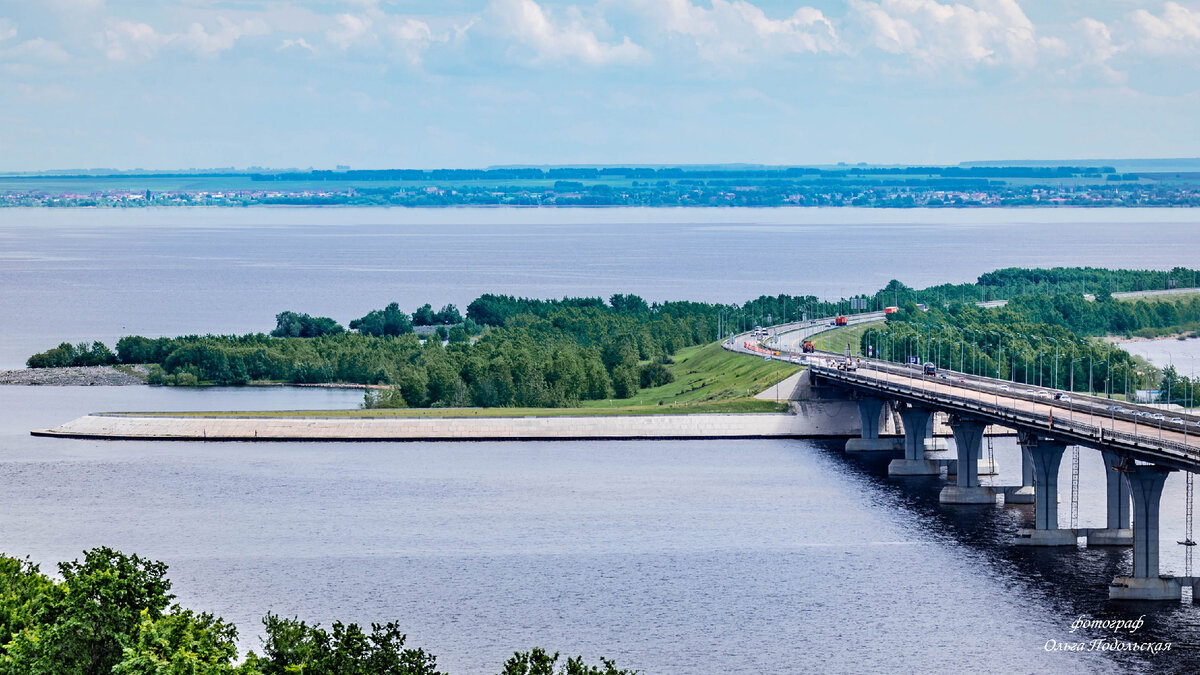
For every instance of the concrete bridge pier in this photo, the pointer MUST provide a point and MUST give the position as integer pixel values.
(869, 410)
(1025, 493)
(1117, 532)
(968, 441)
(1146, 485)
(1046, 456)
(916, 434)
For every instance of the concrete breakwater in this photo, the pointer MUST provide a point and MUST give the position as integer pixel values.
(811, 419)
(74, 376)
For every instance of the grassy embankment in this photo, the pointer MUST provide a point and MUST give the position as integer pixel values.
(835, 340)
(708, 379)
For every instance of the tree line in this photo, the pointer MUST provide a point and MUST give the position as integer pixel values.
(533, 353)
(516, 351)
(1037, 339)
(113, 614)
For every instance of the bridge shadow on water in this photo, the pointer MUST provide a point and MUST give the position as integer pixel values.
(1071, 581)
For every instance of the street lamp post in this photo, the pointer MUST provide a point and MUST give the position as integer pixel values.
(1054, 374)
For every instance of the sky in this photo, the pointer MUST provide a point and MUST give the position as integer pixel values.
(165, 84)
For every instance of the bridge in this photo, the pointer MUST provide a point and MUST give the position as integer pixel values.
(1139, 444)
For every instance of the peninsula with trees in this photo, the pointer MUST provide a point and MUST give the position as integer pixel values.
(510, 353)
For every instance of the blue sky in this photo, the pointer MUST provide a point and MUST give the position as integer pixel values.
(469, 83)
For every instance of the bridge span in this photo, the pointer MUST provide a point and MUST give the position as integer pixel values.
(1139, 451)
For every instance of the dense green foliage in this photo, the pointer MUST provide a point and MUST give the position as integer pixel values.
(112, 615)
(538, 662)
(1087, 279)
(389, 321)
(1001, 284)
(1033, 339)
(536, 353)
(425, 316)
(67, 354)
(291, 324)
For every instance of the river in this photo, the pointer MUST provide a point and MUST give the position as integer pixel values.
(672, 557)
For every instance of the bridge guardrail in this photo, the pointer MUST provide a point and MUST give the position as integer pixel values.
(1166, 448)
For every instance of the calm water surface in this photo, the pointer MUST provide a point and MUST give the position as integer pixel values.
(79, 274)
(672, 557)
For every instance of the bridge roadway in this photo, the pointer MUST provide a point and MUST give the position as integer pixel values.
(1138, 453)
(1083, 420)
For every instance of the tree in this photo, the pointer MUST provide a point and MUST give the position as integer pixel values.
(448, 314)
(538, 662)
(388, 321)
(182, 643)
(424, 316)
(292, 646)
(630, 304)
(86, 629)
(655, 375)
(292, 324)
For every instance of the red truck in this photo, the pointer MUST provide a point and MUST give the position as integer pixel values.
(808, 347)
(840, 321)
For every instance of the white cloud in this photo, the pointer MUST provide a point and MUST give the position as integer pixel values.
(735, 29)
(1176, 31)
(349, 30)
(372, 28)
(938, 35)
(1098, 48)
(202, 42)
(124, 40)
(37, 49)
(555, 39)
(8, 29)
(298, 43)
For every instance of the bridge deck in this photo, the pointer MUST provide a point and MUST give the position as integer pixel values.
(1084, 420)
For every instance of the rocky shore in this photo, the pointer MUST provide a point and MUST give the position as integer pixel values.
(76, 376)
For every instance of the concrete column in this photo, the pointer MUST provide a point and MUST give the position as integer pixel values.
(916, 432)
(1025, 493)
(1117, 532)
(968, 443)
(1046, 456)
(1146, 485)
(868, 410)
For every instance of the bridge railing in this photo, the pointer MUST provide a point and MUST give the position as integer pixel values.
(1098, 433)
